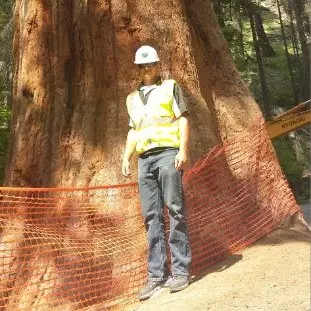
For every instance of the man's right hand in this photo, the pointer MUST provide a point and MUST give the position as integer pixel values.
(126, 168)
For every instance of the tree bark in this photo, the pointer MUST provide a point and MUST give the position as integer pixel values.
(74, 68)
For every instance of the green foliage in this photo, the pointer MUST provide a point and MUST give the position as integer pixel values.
(276, 68)
(6, 7)
(5, 79)
(291, 168)
(278, 80)
(4, 138)
(237, 31)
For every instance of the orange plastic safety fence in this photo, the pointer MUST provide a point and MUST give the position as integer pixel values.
(85, 248)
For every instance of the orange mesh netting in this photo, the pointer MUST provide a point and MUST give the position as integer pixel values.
(85, 248)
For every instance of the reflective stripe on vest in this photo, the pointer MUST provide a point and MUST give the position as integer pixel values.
(155, 123)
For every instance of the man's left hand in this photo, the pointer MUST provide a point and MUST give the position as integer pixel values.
(181, 161)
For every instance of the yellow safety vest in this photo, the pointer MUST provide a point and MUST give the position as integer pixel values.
(154, 122)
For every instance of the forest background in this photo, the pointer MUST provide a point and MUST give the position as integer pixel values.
(270, 45)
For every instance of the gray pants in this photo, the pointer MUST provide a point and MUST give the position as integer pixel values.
(160, 183)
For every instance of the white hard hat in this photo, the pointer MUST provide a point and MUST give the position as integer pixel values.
(146, 54)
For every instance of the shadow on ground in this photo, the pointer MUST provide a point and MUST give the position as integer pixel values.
(218, 267)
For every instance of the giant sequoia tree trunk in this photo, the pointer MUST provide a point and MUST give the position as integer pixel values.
(74, 68)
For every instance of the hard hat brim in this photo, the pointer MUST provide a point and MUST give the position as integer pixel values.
(146, 62)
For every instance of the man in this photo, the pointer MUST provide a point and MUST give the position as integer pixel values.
(159, 134)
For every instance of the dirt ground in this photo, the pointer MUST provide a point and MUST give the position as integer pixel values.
(271, 275)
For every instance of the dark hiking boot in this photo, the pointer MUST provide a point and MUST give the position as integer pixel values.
(150, 288)
(179, 282)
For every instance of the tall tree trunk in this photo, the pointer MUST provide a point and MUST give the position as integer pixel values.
(74, 68)
(267, 49)
(297, 57)
(263, 82)
(230, 11)
(298, 9)
(239, 12)
(289, 64)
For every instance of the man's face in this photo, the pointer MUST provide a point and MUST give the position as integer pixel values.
(149, 73)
